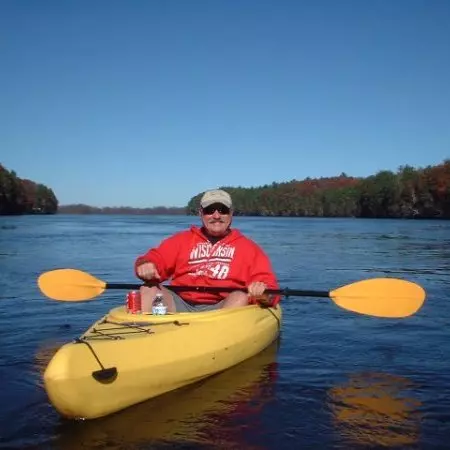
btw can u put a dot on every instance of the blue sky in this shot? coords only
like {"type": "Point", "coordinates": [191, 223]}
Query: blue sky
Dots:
{"type": "Point", "coordinates": [146, 103]}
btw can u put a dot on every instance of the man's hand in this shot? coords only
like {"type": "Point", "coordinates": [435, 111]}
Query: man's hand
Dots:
{"type": "Point", "coordinates": [256, 292]}
{"type": "Point", "coordinates": [256, 289]}
{"type": "Point", "coordinates": [148, 271]}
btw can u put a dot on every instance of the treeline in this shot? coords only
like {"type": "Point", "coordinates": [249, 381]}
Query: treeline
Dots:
{"type": "Point", "coordinates": [21, 196]}
{"type": "Point", "coordinates": [85, 209]}
{"type": "Point", "coordinates": [408, 193]}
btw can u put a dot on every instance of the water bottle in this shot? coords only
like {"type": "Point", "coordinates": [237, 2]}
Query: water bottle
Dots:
{"type": "Point", "coordinates": [158, 306]}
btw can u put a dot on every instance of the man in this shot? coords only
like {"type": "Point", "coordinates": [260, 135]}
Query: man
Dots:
{"type": "Point", "coordinates": [213, 255]}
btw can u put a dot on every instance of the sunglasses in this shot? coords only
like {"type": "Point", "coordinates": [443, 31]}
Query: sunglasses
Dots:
{"type": "Point", "coordinates": [211, 209]}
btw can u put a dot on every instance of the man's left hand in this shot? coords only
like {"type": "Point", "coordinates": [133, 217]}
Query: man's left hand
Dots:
{"type": "Point", "coordinates": [256, 289]}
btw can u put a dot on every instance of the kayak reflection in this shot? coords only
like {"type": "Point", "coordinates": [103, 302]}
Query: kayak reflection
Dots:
{"type": "Point", "coordinates": [213, 410]}
{"type": "Point", "coordinates": [375, 409]}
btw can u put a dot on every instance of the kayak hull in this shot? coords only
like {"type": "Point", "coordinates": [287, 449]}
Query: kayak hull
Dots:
{"type": "Point", "coordinates": [124, 359]}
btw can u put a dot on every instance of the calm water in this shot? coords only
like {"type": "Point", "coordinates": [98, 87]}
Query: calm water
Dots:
{"type": "Point", "coordinates": [334, 380]}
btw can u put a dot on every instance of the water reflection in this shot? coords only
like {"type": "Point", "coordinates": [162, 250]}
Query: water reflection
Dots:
{"type": "Point", "coordinates": [43, 356]}
{"type": "Point", "coordinates": [219, 410]}
{"type": "Point", "coordinates": [376, 409]}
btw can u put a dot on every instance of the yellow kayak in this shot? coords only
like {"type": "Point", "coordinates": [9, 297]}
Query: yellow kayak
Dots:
{"type": "Point", "coordinates": [124, 359]}
{"type": "Point", "coordinates": [186, 417]}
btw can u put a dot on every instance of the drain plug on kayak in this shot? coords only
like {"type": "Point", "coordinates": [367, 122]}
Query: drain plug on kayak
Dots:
{"type": "Point", "coordinates": [103, 375]}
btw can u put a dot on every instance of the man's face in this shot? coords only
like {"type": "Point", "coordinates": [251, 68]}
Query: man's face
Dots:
{"type": "Point", "coordinates": [216, 219]}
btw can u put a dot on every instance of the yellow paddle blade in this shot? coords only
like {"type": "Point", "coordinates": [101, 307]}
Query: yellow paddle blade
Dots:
{"type": "Point", "coordinates": [381, 297]}
{"type": "Point", "coordinates": [70, 285]}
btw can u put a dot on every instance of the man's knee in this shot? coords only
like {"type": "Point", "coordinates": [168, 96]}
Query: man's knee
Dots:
{"type": "Point", "coordinates": [236, 299]}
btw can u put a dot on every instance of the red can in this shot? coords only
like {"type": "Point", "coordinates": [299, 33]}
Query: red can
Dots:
{"type": "Point", "coordinates": [134, 305]}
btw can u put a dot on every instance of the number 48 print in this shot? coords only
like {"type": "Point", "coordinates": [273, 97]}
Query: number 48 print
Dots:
{"type": "Point", "coordinates": [220, 271]}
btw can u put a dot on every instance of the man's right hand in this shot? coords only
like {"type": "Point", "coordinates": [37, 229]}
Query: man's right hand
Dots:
{"type": "Point", "coordinates": [148, 271]}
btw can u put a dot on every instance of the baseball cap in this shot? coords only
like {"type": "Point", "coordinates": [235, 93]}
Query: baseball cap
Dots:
{"type": "Point", "coordinates": [216, 196]}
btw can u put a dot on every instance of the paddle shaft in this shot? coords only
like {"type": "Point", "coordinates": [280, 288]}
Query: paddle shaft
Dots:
{"type": "Point", "coordinates": [286, 292]}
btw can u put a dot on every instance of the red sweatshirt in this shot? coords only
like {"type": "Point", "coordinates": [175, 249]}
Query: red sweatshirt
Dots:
{"type": "Point", "coordinates": [188, 258]}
